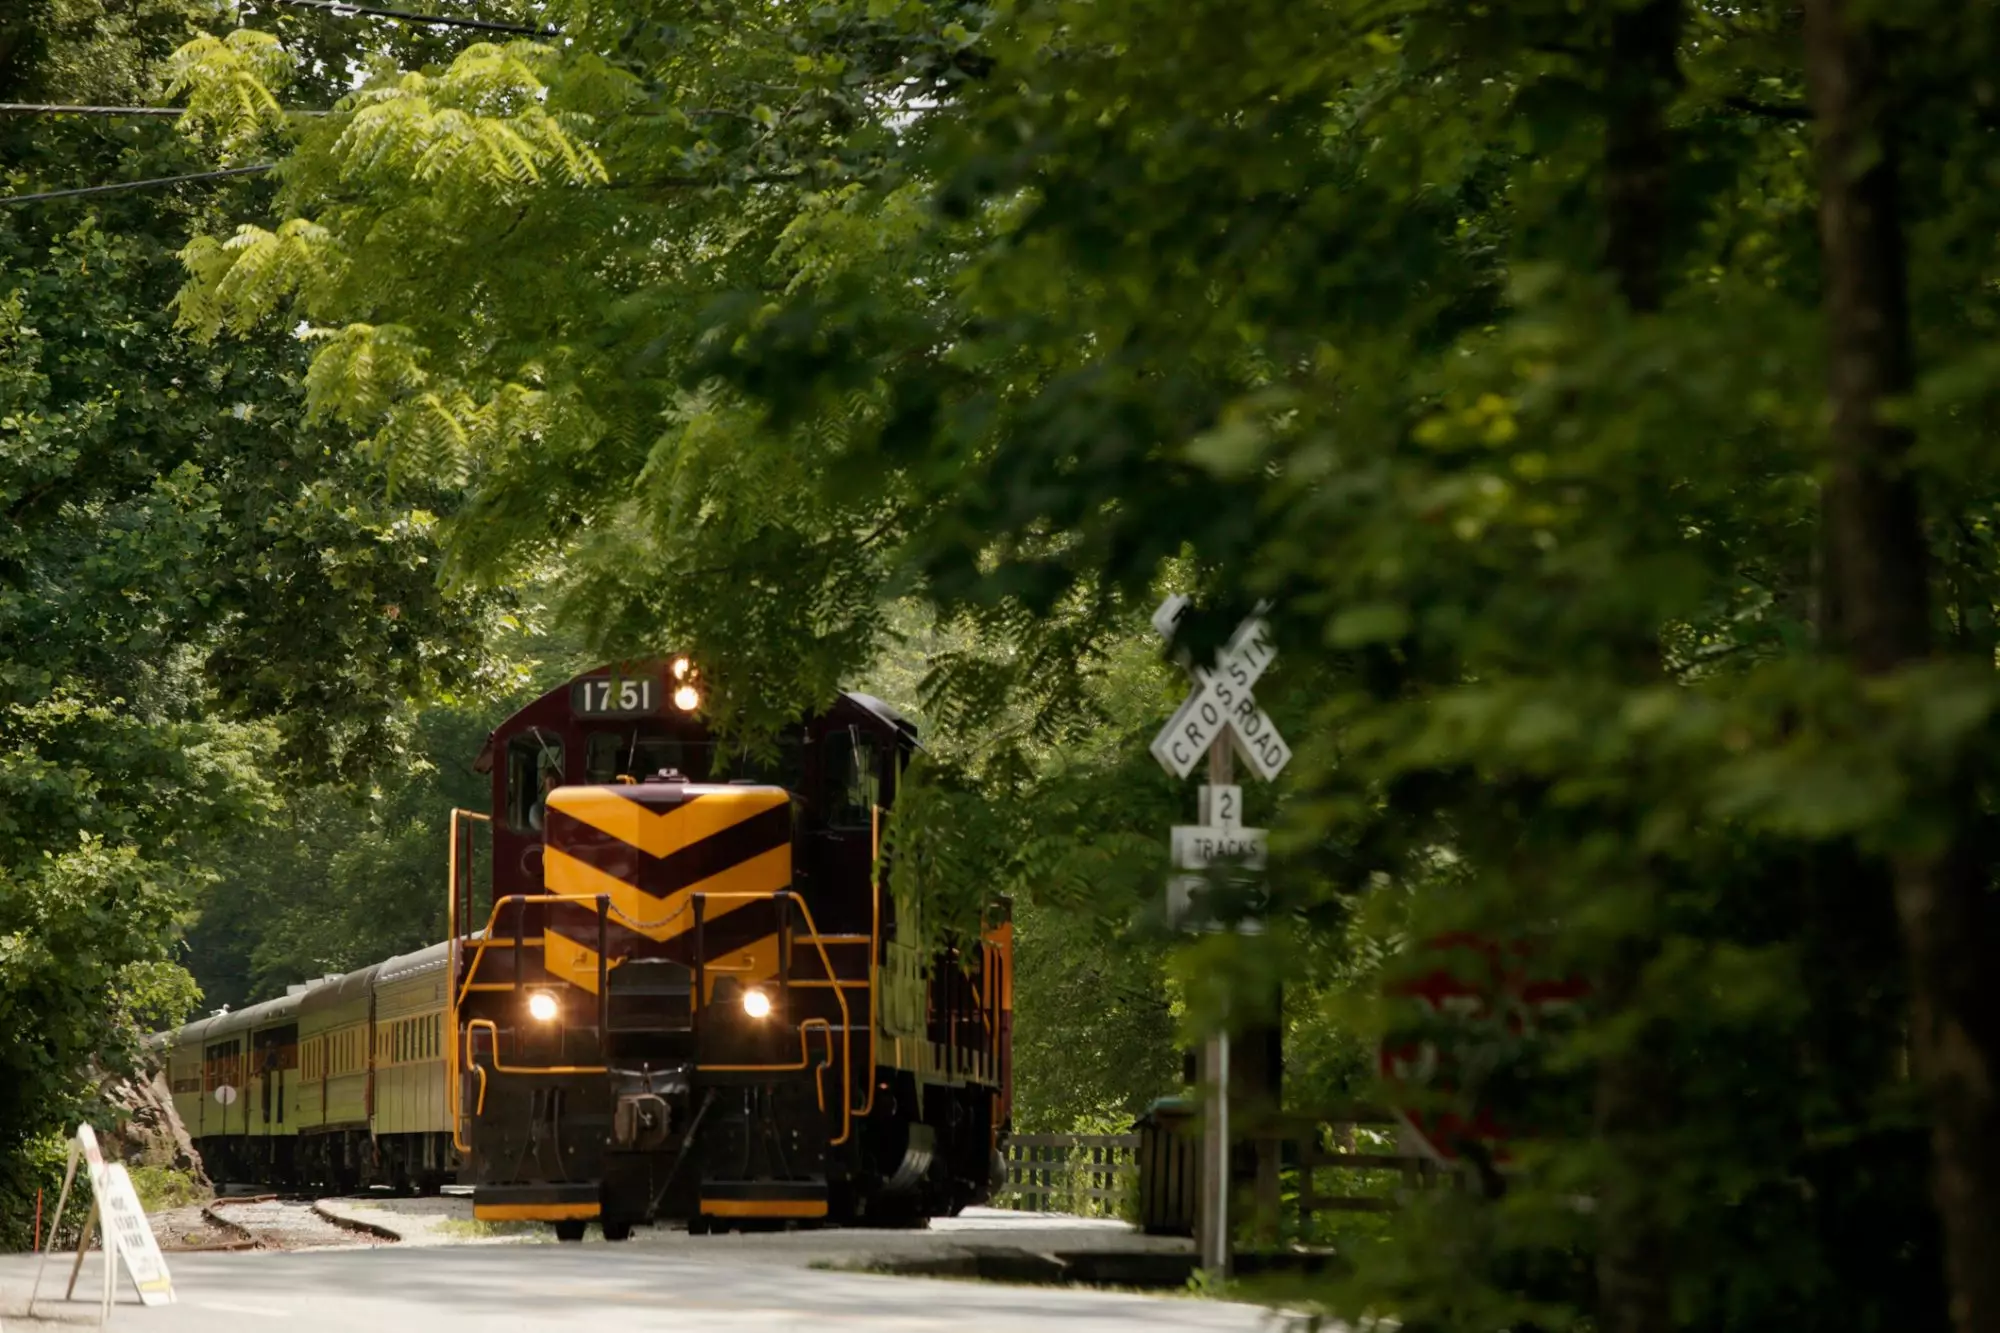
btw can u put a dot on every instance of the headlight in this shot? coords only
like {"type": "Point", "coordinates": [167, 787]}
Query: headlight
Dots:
{"type": "Point", "coordinates": [756, 1003]}
{"type": "Point", "coordinates": [542, 1007]}
{"type": "Point", "coordinates": [687, 698]}
{"type": "Point", "coordinates": [681, 668]}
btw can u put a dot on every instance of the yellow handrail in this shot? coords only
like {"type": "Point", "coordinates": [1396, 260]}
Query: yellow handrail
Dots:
{"type": "Point", "coordinates": [812, 933]}
{"type": "Point", "coordinates": [453, 1094]}
{"type": "Point", "coordinates": [874, 943]}
{"type": "Point", "coordinates": [846, 1019]}
{"type": "Point", "coordinates": [819, 1089]}
{"type": "Point", "coordinates": [499, 1068]}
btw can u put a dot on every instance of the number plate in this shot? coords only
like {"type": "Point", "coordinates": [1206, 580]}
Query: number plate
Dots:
{"type": "Point", "coordinates": [609, 696]}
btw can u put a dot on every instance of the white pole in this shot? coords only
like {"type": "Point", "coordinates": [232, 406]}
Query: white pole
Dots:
{"type": "Point", "coordinates": [1215, 1247]}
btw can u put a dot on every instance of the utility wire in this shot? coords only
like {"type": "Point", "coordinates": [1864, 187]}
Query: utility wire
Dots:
{"type": "Point", "coordinates": [62, 109]}
{"type": "Point", "coordinates": [486, 25]}
{"type": "Point", "coordinates": [6, 199]}
{"type": "Point", "coordinates": [65, 109]}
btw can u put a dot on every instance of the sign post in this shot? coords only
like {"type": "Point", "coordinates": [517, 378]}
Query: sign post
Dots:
{"type": "Point", "coordinates": [1220, 718]}
{"type": "Point", "coordinates": [114, 1204]}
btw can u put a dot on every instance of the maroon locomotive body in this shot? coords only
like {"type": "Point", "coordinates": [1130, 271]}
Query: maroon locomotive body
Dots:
{"type": "Point", "coordinates": [680, 988]}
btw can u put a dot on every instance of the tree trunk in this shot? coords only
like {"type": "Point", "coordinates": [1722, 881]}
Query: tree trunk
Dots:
{"type": "Point", "coordinates": [1633, 1115]}
{"type": "Point", "coordinates": [1878, 616]}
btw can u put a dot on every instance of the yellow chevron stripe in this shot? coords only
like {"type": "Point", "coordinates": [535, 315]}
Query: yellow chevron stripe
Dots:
{"type": "Point", "coordinates": [662, 919]}
{"type": "Point", "coordinates": [661, 834]}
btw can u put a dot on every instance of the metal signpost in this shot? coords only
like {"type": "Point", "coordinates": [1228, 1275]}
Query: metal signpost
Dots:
{"type": "Point", "coordinates": [1220, 719]}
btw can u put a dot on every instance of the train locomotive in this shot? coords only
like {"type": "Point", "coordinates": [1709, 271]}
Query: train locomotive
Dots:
{"type": "Point", "coordinates": [677, 988]}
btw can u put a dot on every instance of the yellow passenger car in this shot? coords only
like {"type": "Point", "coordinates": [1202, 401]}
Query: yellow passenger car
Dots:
{"type": "Point", "coordinates": [184, 1074]}
{"type": "Point", "coordinates": [249, 1064]}
{"type": "Point", "coordinates": [334, 1095]}
{"type": "Point", "coordinates": [411, 1121]}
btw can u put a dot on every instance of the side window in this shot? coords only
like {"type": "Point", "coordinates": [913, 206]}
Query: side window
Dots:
{"type": "Point", "coordinates": [851, 778]}
{"type": "Point", "coordinates": [534, 765]}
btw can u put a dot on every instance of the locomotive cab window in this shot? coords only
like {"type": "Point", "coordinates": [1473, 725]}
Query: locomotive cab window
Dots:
{"type": "Point", "coordinates": [534, 767]}
{"type": "Point", "coordinates": [783, 767]}
{"type": "Point", "coordinates": [611, 755]}
{"type": "Point", "coordinates": [851, 776]}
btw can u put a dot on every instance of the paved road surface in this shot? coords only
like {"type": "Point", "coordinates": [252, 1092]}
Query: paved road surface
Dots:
{"type": "Point", "coordinates": [601, 1288]}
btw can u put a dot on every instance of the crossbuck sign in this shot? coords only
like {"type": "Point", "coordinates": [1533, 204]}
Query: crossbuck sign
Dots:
{"type": "Point", "coordinates": [1221, 702]}
{"type": "Point", "coordinates": [1221, 705]}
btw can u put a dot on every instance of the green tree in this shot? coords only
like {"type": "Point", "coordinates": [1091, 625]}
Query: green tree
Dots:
{"type": "Point", "coordinates": [1486, 343]}
{"type": "Point", "coordinates": [198, 594]}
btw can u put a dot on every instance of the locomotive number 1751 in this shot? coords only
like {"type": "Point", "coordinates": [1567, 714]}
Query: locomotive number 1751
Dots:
{"type": "Point", "coordinates": [606, 696]}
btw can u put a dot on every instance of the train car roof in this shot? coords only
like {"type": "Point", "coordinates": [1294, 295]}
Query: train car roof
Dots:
{"type": "Point", "coordinates": [344, 989]}
{"type": "Point", "coordinates": [263, 1014]}
{"type": "Point", "coordinates": [186, 1032]}
{"type": "Point", "coordinates": [414, 964]}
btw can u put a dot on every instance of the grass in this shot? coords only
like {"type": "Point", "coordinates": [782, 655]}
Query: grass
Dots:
{"type": "Point", "coordinates": [163, 1187]}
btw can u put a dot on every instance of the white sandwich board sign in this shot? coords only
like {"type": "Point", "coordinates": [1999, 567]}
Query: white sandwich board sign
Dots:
{"type": "Point", "coordinates": [128, 1236]}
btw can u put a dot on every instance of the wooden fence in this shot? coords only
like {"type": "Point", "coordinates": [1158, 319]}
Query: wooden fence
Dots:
{"type": "Point", "coordinates": [1359, 1150]}
{"type": "Point", "coordinates": [1307, 1165]}
{"type": "Point", "coordinates": [1087, 1175]}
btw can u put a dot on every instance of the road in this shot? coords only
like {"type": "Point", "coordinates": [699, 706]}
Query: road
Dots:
{"type": "Point", "coordinates": [603, 1288]}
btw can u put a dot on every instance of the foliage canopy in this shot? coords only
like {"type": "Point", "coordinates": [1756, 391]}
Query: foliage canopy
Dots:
{"type": "Point", "coordinates": [1489, 343]}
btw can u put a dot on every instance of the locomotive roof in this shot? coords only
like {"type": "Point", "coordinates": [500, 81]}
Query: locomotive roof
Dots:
{"type": "Point", "coordinates": [884, 710]}
{"type": "Point", "coordinates": [868, 703]}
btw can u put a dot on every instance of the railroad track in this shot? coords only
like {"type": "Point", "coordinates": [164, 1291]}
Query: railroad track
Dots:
{"type": "Point", "coordinates": [274, 1223]}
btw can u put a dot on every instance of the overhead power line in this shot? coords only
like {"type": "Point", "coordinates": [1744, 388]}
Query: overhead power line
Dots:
{"type": "Point", "coordinates": [6, 199]}
{"type": "Point", "coordinates": [66, 109]}
{"type": "Point", "coordinates": [62, 109]}
{"type": "Point", "coordinates": [484, 25]}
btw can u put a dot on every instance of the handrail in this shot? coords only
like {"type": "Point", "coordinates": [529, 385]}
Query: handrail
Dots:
{"type": "Point", "coordinates": [819, 1088]}
{"type": "Point", "coordinates": [874, 944]}
{"type": "Point", "coordinates": [499, 1068]}
{"type": "Point", "coordinates": [604, 908]}
{"type": "Point", "coordinates": [453, 1093]}
{"type": "Point", "coordinates": [846, 1019]}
